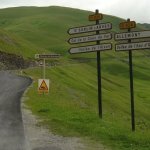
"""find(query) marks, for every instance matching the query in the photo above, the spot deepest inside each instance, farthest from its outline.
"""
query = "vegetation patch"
(70, 109)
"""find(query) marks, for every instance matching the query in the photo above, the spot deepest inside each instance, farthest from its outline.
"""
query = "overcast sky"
(137, 10)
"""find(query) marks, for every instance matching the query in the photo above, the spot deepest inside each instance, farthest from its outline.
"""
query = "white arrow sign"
(91, 38)
(43, 56)
(91, 48)
(90, 28)
(133, 46)
(132, 35)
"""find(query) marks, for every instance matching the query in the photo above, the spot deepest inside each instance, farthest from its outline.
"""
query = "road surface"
(18, 127)
(11, 126)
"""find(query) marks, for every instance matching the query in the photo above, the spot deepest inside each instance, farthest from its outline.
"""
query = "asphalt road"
(11, 126)
(19, 130)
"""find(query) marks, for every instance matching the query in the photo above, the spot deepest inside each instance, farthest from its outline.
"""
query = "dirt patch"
(40, 138)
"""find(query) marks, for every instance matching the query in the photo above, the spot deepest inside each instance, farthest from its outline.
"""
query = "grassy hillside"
(11, 43)
(71, 106)
(46, 27)
(145, 25)
(70, 109)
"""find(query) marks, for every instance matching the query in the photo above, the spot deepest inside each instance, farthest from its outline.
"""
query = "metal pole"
(99, 74)
(44, 68)
(42, 71)
(131, 86)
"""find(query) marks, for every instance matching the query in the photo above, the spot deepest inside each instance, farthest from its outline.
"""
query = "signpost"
(40, 63)
(90, 28)
(127, 25)
(133, 46)
(43, 84)
(90, 38)
(99, 87)
(132, 35)
(95, 17)
(129, 47)
(92, 48)
(44, 56)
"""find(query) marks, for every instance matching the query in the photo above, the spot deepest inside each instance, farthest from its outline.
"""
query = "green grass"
(70, 109)
(46, 27)
(11, 43)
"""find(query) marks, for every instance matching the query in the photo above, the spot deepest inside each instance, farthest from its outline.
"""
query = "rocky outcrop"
(12, 61)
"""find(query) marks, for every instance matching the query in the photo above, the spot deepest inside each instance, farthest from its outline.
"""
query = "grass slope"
(46, 27)
(145, 25)
(11, 43)
(71, 106)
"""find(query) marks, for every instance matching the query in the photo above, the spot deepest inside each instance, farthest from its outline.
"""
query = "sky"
(136, 10)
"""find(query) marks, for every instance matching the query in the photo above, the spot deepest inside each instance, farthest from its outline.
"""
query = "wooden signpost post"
(92, 48)
(129, 47)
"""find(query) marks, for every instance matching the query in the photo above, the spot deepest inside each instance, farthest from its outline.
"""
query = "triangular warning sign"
(43, 86)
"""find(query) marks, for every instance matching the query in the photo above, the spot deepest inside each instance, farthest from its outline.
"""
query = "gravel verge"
(40, 138)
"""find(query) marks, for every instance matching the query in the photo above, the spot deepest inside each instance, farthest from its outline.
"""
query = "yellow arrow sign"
(95, 17)
(127, 25)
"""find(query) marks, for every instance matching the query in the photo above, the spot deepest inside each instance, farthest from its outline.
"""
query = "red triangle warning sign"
(43, 86)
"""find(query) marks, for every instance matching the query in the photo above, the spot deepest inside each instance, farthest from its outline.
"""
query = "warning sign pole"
(44, 68)
(43, 84)
(44, 57)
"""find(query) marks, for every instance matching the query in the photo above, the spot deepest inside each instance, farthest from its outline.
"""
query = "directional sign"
(133, 46)
(41, 63)
(127, 25)
(90, 38)
(132, 35)
(90, 28)
(43, 85)
(95, 17)
(90, 48)
(43, 56)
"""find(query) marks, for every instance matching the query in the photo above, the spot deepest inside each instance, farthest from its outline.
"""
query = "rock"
(12, 61)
